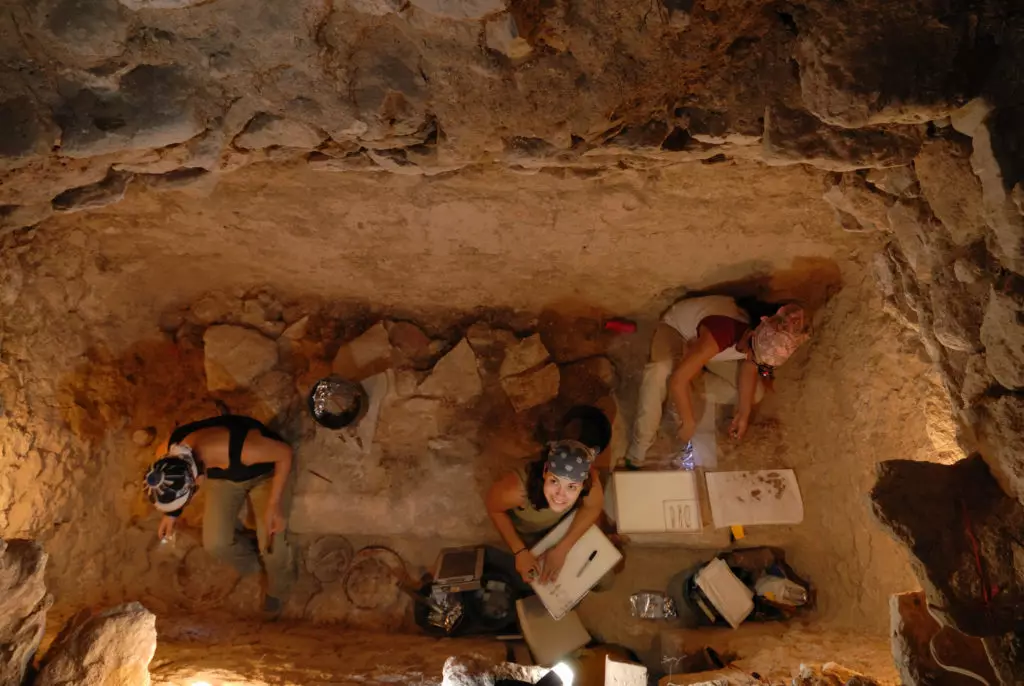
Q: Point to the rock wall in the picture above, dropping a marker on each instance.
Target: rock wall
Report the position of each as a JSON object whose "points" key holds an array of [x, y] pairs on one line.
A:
{"points": [[169, 94]]}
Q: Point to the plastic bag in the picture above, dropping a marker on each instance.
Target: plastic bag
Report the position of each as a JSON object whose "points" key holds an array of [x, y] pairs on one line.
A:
{"points": [[652, 605], [685, 459]]}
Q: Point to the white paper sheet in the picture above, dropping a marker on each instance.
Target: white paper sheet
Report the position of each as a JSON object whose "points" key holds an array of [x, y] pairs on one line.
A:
{"points": [[578, 575]]}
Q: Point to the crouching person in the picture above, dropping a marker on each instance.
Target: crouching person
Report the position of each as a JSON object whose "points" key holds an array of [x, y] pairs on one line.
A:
{"points": [[234, 458]]}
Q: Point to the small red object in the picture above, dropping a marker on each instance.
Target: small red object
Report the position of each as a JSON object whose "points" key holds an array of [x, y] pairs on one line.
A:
{"points": [[619, 325]]}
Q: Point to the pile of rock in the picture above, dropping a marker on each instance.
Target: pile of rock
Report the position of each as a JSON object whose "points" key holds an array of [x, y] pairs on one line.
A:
{"points": [[114, 646]]}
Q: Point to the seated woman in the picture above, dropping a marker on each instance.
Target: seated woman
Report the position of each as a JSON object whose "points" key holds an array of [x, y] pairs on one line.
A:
{"points": [[525, 504], [714, 334], [237, 458]]}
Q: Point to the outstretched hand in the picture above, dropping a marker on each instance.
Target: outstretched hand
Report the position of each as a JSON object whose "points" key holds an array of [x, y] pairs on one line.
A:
{"points": [[166, 528], [275, 524], [738, 428]]}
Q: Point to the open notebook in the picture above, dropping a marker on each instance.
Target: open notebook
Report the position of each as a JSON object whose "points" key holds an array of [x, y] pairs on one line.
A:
{"points": [[591, 558]]}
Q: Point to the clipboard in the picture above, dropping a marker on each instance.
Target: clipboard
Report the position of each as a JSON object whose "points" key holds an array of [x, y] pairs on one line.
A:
{"points": [[591, 558]]}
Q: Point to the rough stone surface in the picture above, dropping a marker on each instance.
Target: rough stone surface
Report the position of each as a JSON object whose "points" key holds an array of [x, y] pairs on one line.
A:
{"points": [[26, 130], [114, 646], [151, 107], [896, 181], [852, 196], [236, 356], [953, 191], [455, 377], [993, 143], [527, 354], [532, 388], [23, 606], [106, 192], [266, 130], [921, 504], [410, 341], [502, 35], [913, 628], [956, 312], [1001, 434], [795, 136], [460, 9], [144, 437], [365, 356], [137, 5], [1002, 332]]}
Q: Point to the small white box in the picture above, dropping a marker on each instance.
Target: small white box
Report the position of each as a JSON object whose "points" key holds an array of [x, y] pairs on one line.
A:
{"points": [[654, 502]]}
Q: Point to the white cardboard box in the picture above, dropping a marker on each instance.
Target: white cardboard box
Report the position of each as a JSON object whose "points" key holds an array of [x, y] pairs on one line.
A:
{"points": [[654, 502], [549, 639]]}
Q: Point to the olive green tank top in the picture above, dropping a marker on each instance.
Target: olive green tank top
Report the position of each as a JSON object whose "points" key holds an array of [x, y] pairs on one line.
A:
{"points": [[530, 521]]}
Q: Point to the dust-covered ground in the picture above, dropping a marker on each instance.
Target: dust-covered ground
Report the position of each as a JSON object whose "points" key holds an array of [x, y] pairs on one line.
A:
{"points": [[85, 362]]}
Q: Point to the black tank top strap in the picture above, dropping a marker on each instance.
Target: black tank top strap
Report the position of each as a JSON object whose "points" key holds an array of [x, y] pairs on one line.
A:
{"points": [[238, 427]]}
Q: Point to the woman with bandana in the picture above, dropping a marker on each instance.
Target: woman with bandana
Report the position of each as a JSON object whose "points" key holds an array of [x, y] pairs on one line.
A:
{"points": [[528, 502], [711, 334], [237, 459]]}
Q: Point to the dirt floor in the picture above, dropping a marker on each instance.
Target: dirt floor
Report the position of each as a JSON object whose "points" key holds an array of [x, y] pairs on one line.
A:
{"points": [[94, 288]]}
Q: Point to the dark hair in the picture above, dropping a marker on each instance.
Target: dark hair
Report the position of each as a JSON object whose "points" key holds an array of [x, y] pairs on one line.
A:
{"points": [[595, 431], [535, 484]]}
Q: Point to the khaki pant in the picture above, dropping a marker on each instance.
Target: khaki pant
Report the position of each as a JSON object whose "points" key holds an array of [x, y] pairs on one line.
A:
{"points": [[720, 382], [224, 502]]}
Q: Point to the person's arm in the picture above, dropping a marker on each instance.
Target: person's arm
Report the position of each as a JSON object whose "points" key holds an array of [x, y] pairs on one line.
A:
{"points": [[698, 354], [506, 493], [587, 515], [747, 391], [260, 449]]}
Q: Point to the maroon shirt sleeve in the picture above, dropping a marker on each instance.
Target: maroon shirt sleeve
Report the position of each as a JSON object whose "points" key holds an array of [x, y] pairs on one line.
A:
{"points": [[726, 331]]}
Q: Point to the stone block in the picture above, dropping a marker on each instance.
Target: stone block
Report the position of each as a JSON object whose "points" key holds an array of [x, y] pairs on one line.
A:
{"points": [[25, 129], [851, 77], [107, 192], [266, 130], [23, 606], [19, 216], [234, 357], [297, 330], [214, 308], [455, 377], [460, 9], [1002, 333], [532, 388], [956, 312], [137, 5], [995, 144], [852, 196], [943, 514], [410, 341], [153, 107], [951, 188], [364, 356], [502, 35], [798, 137], [114, 646], [1000, 433], [525, 355], [84, 33], [896, 181], [913, 628]]}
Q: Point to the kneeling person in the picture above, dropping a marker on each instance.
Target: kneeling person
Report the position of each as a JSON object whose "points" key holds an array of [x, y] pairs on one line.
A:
{"points": [[235, 458]]}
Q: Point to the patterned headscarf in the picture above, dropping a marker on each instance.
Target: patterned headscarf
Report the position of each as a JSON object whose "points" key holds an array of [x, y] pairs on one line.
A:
{"points": [[570, 460], [777, 337]]}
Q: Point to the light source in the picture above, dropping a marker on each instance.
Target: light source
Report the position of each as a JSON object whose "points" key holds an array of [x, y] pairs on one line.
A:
{"points": [[564, 673]]}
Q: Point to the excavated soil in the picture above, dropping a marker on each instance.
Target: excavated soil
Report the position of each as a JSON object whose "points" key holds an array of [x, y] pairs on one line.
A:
{"points": [[97, 321]]}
